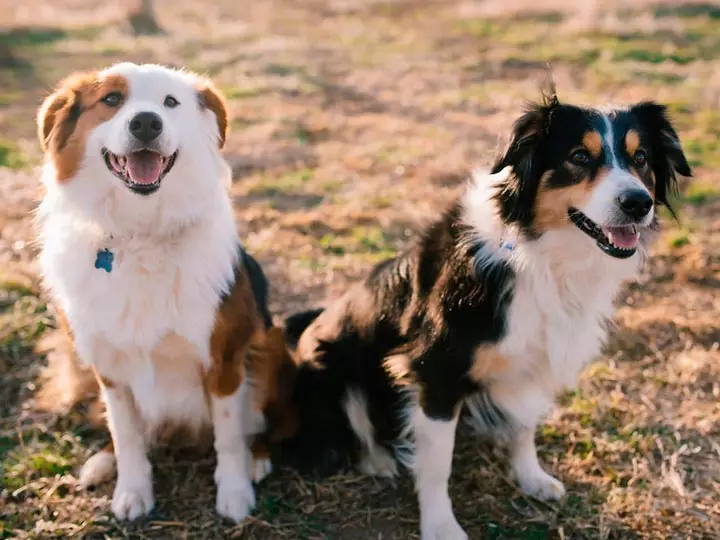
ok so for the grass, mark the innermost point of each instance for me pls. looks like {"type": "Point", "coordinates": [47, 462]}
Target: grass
{"type": "Point", "coordinates": [11, 156]}
{"type": "Point", "coordinates": [334, 172]}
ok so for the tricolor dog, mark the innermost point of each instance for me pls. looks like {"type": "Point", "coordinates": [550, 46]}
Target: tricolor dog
{"type": "Point", "coordinates": [141, 255]}
{"type": "Point", "coordinates": [497, 307]}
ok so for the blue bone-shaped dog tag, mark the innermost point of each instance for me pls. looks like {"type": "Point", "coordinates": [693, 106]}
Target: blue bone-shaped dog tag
{"type": "Point", "coordinates": [104, 259]}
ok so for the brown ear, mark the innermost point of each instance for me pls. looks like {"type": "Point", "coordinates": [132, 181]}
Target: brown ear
{"type": "Point", "coordinates": [48, 113]}
{"type": "Point", "coordinates": [211, 99]}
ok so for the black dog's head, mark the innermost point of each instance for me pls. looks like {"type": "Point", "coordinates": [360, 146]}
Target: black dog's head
{"type": "Point", "coordinates": [602, 171]}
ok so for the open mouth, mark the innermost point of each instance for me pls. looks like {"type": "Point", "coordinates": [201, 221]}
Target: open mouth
{"type": "Point", "coordinates": [620, 241]}
{"type": "Point", "coordinates": [142, 170]}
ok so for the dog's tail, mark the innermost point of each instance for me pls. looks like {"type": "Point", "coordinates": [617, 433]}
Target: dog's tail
{"type": "Point", "coordinates": [297, 323]}
{"type": "Point", "coordinates": [322, 441]}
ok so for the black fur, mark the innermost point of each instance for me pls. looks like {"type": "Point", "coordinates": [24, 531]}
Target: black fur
{"type": "Point", "coordinates": [258, 283]}
{"type": "Point", "coordinates": [418, 319]}
{"type": "Point", "coordinates": [433, 306]}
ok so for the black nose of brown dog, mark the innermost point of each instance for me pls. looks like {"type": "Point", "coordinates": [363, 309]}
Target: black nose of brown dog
{"type": "Point", "coordinates": [636, 203]}
{"type": "Point", "coordinates": [146, 126]}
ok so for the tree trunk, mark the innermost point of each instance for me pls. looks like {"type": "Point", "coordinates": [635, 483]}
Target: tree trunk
{"type": "Point", "coordinates": [142, 18]}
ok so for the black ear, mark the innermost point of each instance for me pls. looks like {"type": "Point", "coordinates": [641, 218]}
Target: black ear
{"type": "Point", "coordinates": [517, 195]}
{"type": "Point", "coordinates": [666, 155]}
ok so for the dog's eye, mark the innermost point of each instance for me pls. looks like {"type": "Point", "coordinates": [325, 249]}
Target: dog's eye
{"type": "Point", "coordinates": [640, 157]}
{"type": "Point", "coordinates": [112, 99]}
{"type": "Point", "coordinates": [171, 102]}
{"type": "Point", "coordinates": [580, 157]}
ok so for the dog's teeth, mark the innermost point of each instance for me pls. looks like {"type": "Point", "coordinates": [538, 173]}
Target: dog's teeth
{"type": "Point", "coordinates": [634, 229]}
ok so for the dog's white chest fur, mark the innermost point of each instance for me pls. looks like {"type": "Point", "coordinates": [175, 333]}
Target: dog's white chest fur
{"type": "Point", "coordinates": [556, 322]}
{"type": "Point", "coordinates": [146, 323]}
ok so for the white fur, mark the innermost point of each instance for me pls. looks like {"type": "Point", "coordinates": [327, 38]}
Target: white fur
{"type": "Point", "coordinates": [376, 461]}
{"type": "Point", "coordinates": [527, 470]}
{"type": "Point", "coordinates": [434, 441]}
{"type": "Point", "coordinates": [99, 468]}
{"type": "Point", "coordinates": [563, 295]}
{"type": "Point", "coordinates": [235, 496]}
{"type": "Point", "coordinates": [175, 251]}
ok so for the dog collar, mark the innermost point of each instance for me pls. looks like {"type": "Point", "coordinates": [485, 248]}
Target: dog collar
{"type": "Point", "coordinates": [504, 244]}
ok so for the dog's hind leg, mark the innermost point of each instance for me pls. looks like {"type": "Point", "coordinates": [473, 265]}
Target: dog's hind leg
{"type": "Point", "coordinates": [375, 460]}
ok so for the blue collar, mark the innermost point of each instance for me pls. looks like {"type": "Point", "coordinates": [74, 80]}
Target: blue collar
{"type": "Point", "coordinates": [506, 245]}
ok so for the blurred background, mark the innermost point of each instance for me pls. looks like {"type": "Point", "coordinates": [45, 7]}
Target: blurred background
{"type": "Point", "coordinates": [353, 121]}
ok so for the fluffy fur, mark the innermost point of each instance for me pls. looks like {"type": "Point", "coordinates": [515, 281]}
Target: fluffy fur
{"type": "Point", "coordinates": [497, 307]}
{"type": "Point", "coordinates": [175, 326]}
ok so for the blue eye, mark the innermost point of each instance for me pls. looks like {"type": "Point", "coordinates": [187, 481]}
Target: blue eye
{"type": "Point", "coordinates": [170, 102]}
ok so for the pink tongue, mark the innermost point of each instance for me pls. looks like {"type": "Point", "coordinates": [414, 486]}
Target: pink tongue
{"type": "Point", "coordinates": [623, 237]}
{"type": "Point", "coordinates": [144, 167]}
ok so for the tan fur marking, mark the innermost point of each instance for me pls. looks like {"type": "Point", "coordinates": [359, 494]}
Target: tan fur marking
{"type": "Point", "coordinates": [68, 116]}
{"type": "Point", "coordinates": [552, 205]}
{"type": "Point", "coordinates": [236, 323]}
{"type": "Point", "coordinates": [212, 99]}
{"type": "Point", "coordinates": [593, 142]}
{"type": "Point", "coordinates": [273, 373]}
{"type": "Point", "coordinates": [486, 363]}
{"type": "Point", "coordinates": [632, 142]}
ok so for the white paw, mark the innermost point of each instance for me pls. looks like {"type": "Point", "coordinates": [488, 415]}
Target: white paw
{"type": "Point", "coordinates": [132, 500]}
{"type": "Point", "coordinates": [235, 498]}
{"type": "Point", "coordinates": [378, 463]}
{"type": "Point", "coordinates": [261, 468]}
{"type": "Point", "coordinates": [441, 528]}
{"type": "Point", "coordinates": [541, 485]}
{"type": "Point", "coordinates": [98, 469]}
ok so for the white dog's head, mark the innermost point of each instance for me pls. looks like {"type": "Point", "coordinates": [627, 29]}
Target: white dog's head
{"type": "Point", "coordinates": [134, 141]}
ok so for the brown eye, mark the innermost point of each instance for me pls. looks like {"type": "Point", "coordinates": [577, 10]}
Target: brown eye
{"type": "Point", "coordinates": [113, 99]}
{"type": "Point", "coordinates": [640, 158]}
{"type": "Point", "coordinates": [171, 102]}
{"type": "Point", "coordinates": [580, 157]}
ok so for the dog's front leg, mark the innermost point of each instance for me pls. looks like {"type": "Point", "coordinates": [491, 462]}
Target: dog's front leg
{"type": "Point", "coordinates": [133, 495]}
{"type": "Point", "coordinates": [235, 494]}
{"type": "Point", "coordinates": [432, 462]}
{"type": "Point", "coordinates": [529, 474]}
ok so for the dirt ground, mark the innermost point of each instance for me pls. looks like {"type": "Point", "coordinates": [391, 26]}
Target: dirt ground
{"type": "Point", "coordinates": [353, 122]}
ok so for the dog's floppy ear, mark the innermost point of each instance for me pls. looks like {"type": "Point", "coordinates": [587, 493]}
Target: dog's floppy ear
{"type": "Point", "coordinates": [211, 99]}
{"type": "Point", "coordinates": [666, 155]}
{"type": "Point", "coordinates": [50, 114]}
{"type": "Point", "coordinates": [60, 111]}
{"type": "Point", "coordinates": [518, 193]}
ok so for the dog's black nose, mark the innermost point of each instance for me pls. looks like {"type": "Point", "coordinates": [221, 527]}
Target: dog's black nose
{"type": "Point", "coordinates": [636, 203]}
{"type": "Point", "coordinates": [146, 126]}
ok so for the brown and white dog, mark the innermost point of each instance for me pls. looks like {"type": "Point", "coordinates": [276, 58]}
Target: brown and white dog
{"type": "Point", "coordinates": [141, 254]}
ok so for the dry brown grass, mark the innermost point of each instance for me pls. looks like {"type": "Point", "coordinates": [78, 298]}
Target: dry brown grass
{"type": "Point", "coordinates": [353, 122]}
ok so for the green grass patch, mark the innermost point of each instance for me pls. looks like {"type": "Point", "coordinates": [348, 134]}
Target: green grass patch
{"type": "Point", "coordinates": [244, 93]}
{"type": "Point", "coordinates": [369, 242]}
{"type": "Point", "coordinates": [294, 181]}
{"type": "Point", "coordinates": [11, 156]}
{"type": "Point", "coordinates": [686, 11]}
{"type": "Point", "coordinates": [703, 152]}
{"type": "Point", "coordinates": [32, 37]}
{"type": "Point", "coordinates": [700, 193]}
{"type": "Point", "coordinates": [679, 238]}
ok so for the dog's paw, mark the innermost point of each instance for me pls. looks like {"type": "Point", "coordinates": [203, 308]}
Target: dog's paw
{"type": "Point", "coordinates": [235, 499]}
{"type": "Point", "coordinates": [441, 527]}
{"type": "Point", "coordinates": [541, 485]}
{"type": "Point", "coordinates": [378, 463]}
{"type": "Point", "coordinates": [132, 500]}
{"type": "Point", "coordinates": [98, 469]}
{"type": "Point", "coordinates": [261, 467]}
